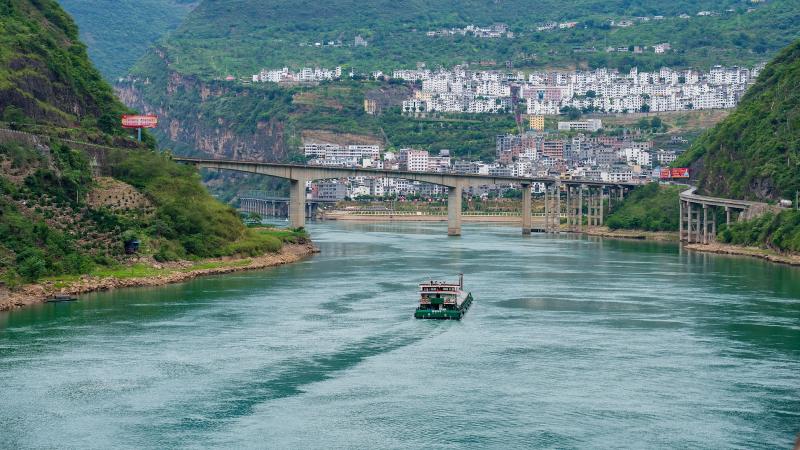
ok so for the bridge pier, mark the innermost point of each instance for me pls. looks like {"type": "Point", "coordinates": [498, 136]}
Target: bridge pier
{"type": "Point", "coordinates": [580, 209]}
{"type": "Point", "coordinates": [526, 209]}
{"type": "Point", "coordinates": [297, 203]}
{"type": "Point", "coordinates": [602, 206]}
{"type": "Point", "coordinates": [454, 210]}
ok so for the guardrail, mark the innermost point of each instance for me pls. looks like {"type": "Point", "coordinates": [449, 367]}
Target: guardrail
{"type": "Point", "coordinates": [431, 213]}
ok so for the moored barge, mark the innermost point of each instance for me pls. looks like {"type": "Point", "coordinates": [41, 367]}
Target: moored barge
{"type": "Point", "coordinates": [443, 300]}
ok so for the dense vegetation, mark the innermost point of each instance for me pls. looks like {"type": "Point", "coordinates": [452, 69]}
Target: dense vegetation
{"type": "Point", "coordinates": [755, 152]}
{"type": "Point", "coordinates": [242, 36]}
{"type": "Point", "coordinates": [652, 207]}
{"type": "Point", "coordinates": [47, 226]}
{"type": "Point", "coordinates": [119, 31]}
{"type": "Point", "coordinates": [775, 231]}
{"type": "Point", "coordinates": [45, 75]}
{"type": "Point", "coordinates": [50, 223]}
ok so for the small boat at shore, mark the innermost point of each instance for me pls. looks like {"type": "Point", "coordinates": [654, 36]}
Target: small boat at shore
{"type": "Point", "coordinates": [443, 300]}
{"type": "Point", "coordinates": [61, 298]}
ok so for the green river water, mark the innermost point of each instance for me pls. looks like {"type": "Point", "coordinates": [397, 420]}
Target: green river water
{"type": "Point", "coordinates": [572, 342]}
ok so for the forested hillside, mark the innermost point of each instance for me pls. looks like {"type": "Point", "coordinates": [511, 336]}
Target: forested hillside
{"type": "Point", "coordinates": [241, 36]}
{"type": "Point", "coordinates": [119, 31]}
{"type": "Point", "coordinates": [45, 75]}
{"type": "Point", "coordinates": [755, 152]}
{"type": "Point", "coordinates": [62, 211]}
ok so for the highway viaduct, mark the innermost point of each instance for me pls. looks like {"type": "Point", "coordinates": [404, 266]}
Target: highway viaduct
{"type": "Point", "coordinates": [697, 225]}
{"type": "Point", "coordinates": [579, 193]}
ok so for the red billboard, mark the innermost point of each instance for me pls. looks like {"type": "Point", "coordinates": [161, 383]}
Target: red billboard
{"type": "Point", "coordinates": [679, 172]}
{"type": "Point", "coordinates": [137, 121]}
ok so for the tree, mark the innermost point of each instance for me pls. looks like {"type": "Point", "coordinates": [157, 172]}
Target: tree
{"type": "Point", "coordinates": [645, 108]}
{"type": "Point", "coordinates": [656, 123]}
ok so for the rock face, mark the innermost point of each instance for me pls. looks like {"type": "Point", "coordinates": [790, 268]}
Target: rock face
{"type": "Point", "coordinates": [201, 118]}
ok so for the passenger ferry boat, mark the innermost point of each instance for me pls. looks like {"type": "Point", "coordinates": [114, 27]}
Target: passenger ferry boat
{"type": "Point", "coordinates": [443, 300]}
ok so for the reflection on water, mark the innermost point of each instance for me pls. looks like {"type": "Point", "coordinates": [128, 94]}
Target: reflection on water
{"type": "Point", "coordinates": [572, 342]}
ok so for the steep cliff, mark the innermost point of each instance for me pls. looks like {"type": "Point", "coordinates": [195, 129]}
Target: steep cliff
{"type": "Point", "coordinates": [213, 118]}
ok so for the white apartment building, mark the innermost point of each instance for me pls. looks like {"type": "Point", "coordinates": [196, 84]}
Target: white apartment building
{"type": "Point", "coordinates": [590, 125]}
{"type": "Point", "coordinates": [636, 156]}
{"type": "Point", "coordinates": [413, 160]}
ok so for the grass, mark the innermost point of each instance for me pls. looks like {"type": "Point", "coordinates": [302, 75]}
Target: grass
{"type": "Point", "coordinates": [259, 238]}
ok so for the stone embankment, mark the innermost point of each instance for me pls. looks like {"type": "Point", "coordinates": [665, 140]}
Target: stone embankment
{"type": "Point", "coordinates": [792, 259]}
{"type": "Point", "coordinates": [38, 293]}
{"type": "Point", "coordinates": [664, 236]}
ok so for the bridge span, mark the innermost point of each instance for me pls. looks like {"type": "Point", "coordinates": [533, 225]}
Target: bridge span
{"type": "Point", "coordinates": [698, 220]}
{"type": "Point", "coordinates": [579, 193]}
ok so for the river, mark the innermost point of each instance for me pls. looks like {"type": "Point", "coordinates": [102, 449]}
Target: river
{"type": "Point", "coordinates": [573, 342]}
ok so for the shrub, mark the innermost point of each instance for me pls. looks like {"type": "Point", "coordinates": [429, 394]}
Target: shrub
{"type": "Point", "coordinates": [651, 207]}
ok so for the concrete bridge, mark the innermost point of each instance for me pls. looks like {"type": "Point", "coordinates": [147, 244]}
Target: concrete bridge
{"type": "Point", "coordinates": [698, 218]}
{"type": "Point", "coordinates": [299, 175]}
{"type": "Point", "coordinates": [275, 205]}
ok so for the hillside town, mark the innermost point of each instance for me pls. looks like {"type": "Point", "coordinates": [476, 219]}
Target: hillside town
{"type": "Point", "coordinates": [571, 152]}
{"type": "Point", "coordinates": [497, 30]}
{"type": "Point", "coordinates": [601, 90]}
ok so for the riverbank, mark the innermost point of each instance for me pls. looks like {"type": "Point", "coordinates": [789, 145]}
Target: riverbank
{"type": "Point", "coordinates": [151, 274]}
{"type": "Point", "coordinates": [504, 219]}
{"type": "Point", "coordinates": [662, 236]}
{"type": "Point", "coordinates": [792, 259]}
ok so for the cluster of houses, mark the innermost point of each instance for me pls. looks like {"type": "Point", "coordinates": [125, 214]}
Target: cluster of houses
{"type": "Point", "coordinates": [629, 22]}
{"type": "Point", "coordinates": [662, 48]}
{"type": "Point", "coordinates": [530, 154]}
{"type": "Point", "coordinates": [358, 41]}
{"type": "Point", "coordinates": [601, 90]}
{"type": "Point", "coordinates": [497, 30]}
{"type": "Point", "coordinates": [304, 75]}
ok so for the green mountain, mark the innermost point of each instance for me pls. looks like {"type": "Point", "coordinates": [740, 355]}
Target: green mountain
{"type": "Point", "coordinates": [45, 75]}
{"type": "Point", "coordinates": [68, 207]}
{"type": "Point", "coordinates": [242, 36]}
{"type": "Point", "coordinates": [755, 152]}
{"type": "Point", "coordinates": [119, 31]}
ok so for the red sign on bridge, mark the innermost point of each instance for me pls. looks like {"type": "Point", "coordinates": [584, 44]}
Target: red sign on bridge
{"type": "Point", "coordinates": [139, 121]}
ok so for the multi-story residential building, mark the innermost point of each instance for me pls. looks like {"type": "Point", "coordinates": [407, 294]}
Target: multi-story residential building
{"type": "Point", "coordinates": [590, 125]}
{"type": "Point", "coordinates": [439, 163]}
{"type": "Point", "coordinates": [665, 157]}
{"type": "Point", "coordinates": [331, 190]}
{"type": "Point", "coordinates": [553, 148]}
{"type": "Point", "coordinates": [636, 156]}
{"type": "Point", "coordinates": [536, 122]}
{"type": "Point", "coordinates": [413, 160]}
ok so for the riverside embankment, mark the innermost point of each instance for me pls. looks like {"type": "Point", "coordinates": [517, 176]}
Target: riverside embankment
{"type": "Point", "coordinates": [412, 216]}
{"type": "Point", "coordinates": [510, 219]}
{"type": "Point", "coordinates": [150, 274]}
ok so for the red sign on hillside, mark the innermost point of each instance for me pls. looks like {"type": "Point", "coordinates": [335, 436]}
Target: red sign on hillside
{"type": "Point", "coordinates": [136, 121]}
{"type": "Point", "coordinates": [679, 172]}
